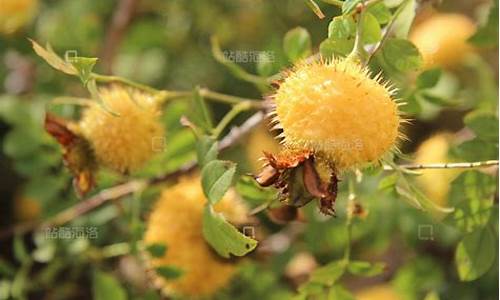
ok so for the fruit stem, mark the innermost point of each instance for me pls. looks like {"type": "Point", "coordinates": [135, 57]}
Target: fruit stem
{"type": "Point", "coordinates": [110, 79]}
{"type": "Point", "coordinates": [459, 165]}
{"type": "Point", "coordinates": [349, 216]}
{"type": "Point", "coordinates": [228, 99]}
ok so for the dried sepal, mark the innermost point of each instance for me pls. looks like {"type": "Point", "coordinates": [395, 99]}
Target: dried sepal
{"type": "Point", "coordinates": [77, 154]}
{"type": "Point", "coordinates": [295, 175]}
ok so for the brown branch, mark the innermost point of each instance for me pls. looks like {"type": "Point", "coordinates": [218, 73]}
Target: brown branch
{"type": "Point", "coordinates": [458, 165]}
{"type": "Point", "coordinates": [127, 188]}
{"type": "Point", "coordinates": [119, 23]}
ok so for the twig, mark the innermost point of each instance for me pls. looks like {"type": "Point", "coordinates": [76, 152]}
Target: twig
{"type": "Point", "coordinates": [460, 165]}
{"type": "Point", "coordinates": [129, 187]}
{"type": "Point", "coordinates": [121, 19]}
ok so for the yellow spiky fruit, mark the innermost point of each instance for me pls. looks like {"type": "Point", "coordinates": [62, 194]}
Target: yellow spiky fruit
{"type": "Point", "coordinates": [260, 140]}
{"type": "Point", "coordinates": [176, 221]}
{"type": "Point", "coordinates": [378, 292]}
{"type": "Point", "coordinates": [125, 140]}
{"type": "Point", "coordinates": [14, 14]}
{"type": "Point", "coordinates": [338, 111]}
{"type": "Point", "coordinates": [435, 183]}
{"type": "Point", "coordinates": [442, 39]}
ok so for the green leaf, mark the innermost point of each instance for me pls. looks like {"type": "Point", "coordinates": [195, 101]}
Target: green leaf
{"type": "Point", "coordinates": [20, 252]}
{"type": "Point", "coordinates": [329, 273]}
{"type": "Point", "coordinates": [364, 268]}
{"type": "Point", "coordinates": [216, 178]}
{"type": "Point", "coordinates": [265, 64]}
{"type": "Point", "coordinates": [484, 125]}
{"type": "Point", "coordinates": [224, 237]}
{"type": "Point", "coordinates": [388, 182]}
{"type": "Point", "coordinates": [472, 196]}
{"type": "Point", "coordinates": [332, 48]}
{"type": "Point", "coordinates": [201, 115]}
{"type": "Point", "coordinates": [475, 254]}
{"type": "Point", "coordinates": [380, 12]}
{"type": "Point", "coordinates": [53, 59]}
{"type": "Point", "coordinates": [487, 35]}
{"type": "Point", "coordinates": [475, 150]}
{"type": "Point", "coordinates": [402, 55]}
{"type": "Point", "coordinates": [349, 5]}
{"type": "Point", "coordinates": [107, 287]}
{"type": "Point", "coordinates": [428, 78]}
{"type": "Point", "coordinates": [206, 150]}
{"type": "Point", "coordinates": [404, 19]}
{"type": "Point", "coordinates": [4, 289]}
{"type": "Point", "coordinates": [297, 44]}
{"type": "Point", "coordinates": [157, 250]}
{"type": "Point", "coordinates": [341, 27]}
{"type": "Point", "coordinates": [337, 292]}
{"type": "Point", "coordinates": [84, 66]}
{"type": "Point", "coordinates": [169, 272]}
{"type": "Point", "coordinates": [371, 32]}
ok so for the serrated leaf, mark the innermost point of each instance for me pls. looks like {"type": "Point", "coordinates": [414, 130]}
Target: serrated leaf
{"type": "Point", "coordinates": [297, 44]}
{"type": "Point", "coordinates": [475, 254]}
{"type": "Point", "coordinates": [105, 287]}
{"type": "Point", "coordinates": [169, 272]}
{"type": "Point", "coordinates": [428, 78]}
{"type": "Point", "coordinates": [84, 66]}
{"type": "Point", "coordinates": [472, 196]}
{"type": "Point", "coordinates": [53, 59]}
{"type": "Point", "coordinates": [484, 125]}
{"type": "Point", "coordinates": [224, 238]}
{"type": "Point", "coordinates": [365, 268]}
{"type": "Point", "coordinates": [216, 178]}
{"type": "Point", "coordinates": [402, 55]}
{"type": "Point", "coordinates": [404, 19]}
{"type": "Point", "coordinates": [157, 249]}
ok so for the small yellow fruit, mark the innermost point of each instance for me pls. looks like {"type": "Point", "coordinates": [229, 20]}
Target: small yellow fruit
{"type": "Point", "coordinates": [442, 39]}
{"type": "Point", "coordinates": [176, 222]}
{"type": "Point", "coordinates": [378, 292]}
{"type": "Point", "coordinates": [435, 183]}
{"type": "Point", "coordinates": [260, 140]}
{"type": "Point", "coordinates": [123, 142]}
{"type": "Point", "coordinates": [14, 14]}
{"type": "Point", "coordinates": [338, 111]}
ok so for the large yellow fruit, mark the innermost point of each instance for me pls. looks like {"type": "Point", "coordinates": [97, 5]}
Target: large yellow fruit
{"type": "Point", "coordinates": [126, 141]}
{"type": "Point", "coordinates": [260, 140]}
{"type": "Point", "coordinates": [176, 222]}
{"type": "Point", "coordinates": [337, 110]}
{"type": "Point", "coordinates": [14, 14]}
{"type": "Point", "coordinates": [435, 183]}
{"type": "Point", "coordinates": [378, 292]}
{"type": "Point", "coordinates": [442, 39]}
